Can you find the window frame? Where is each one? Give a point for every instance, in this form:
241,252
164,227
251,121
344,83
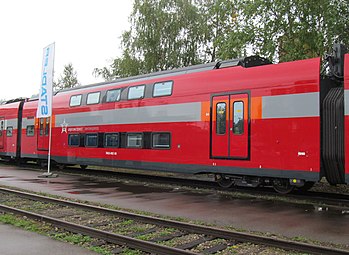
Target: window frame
136,98
26,132
80,101
105,141
165,95
91,146
135,147
69,140
159,147
7,131
225,125
117,100
91,93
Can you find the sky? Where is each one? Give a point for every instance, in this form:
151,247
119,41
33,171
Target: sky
86,33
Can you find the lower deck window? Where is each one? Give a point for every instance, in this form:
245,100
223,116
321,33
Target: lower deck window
30,130
111,140
134,140
9,131
91,140
74,140
161,140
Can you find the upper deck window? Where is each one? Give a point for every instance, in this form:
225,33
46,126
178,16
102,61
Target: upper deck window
93,98
75,100
136,92
113,95
162,89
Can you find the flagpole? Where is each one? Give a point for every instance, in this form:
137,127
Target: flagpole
50,131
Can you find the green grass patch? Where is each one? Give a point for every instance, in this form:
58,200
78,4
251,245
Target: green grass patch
72,238
20,222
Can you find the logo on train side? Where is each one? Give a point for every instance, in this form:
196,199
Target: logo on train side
64,126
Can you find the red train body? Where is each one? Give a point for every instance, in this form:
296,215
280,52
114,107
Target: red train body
283,125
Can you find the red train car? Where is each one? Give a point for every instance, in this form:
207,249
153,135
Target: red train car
10,126
247,121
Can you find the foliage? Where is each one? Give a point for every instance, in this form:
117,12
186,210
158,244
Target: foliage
287,30
68,79
166,34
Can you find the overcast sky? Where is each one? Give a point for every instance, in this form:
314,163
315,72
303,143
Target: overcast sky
86,32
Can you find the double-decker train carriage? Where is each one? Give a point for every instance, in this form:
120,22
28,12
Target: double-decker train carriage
247,121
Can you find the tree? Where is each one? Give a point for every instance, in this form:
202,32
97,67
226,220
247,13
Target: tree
220,21
68,79
164,34
285,30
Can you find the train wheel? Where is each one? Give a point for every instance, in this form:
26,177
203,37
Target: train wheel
282,186
224,181
83,167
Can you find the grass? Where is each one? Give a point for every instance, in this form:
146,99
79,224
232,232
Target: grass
21,223
46,229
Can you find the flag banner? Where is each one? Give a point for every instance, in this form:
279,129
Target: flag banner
45,95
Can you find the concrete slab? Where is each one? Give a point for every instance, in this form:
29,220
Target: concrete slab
322,224
15,241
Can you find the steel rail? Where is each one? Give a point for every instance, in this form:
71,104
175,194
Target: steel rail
210,231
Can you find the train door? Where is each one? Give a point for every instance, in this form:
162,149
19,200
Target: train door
2,135
230,126
43,133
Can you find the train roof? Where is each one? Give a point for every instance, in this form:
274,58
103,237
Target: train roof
246,62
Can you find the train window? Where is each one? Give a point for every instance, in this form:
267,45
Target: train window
161,140
136,92
111,140
30,130
47,127
74,140
93,98
134,140
1,127
221,118
113,95
91,140
41,127
75,100
162,89
238,124
9,131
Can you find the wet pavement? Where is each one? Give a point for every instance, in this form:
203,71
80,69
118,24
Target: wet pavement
15,241
281,218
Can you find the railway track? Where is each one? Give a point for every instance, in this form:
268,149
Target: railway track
149,235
